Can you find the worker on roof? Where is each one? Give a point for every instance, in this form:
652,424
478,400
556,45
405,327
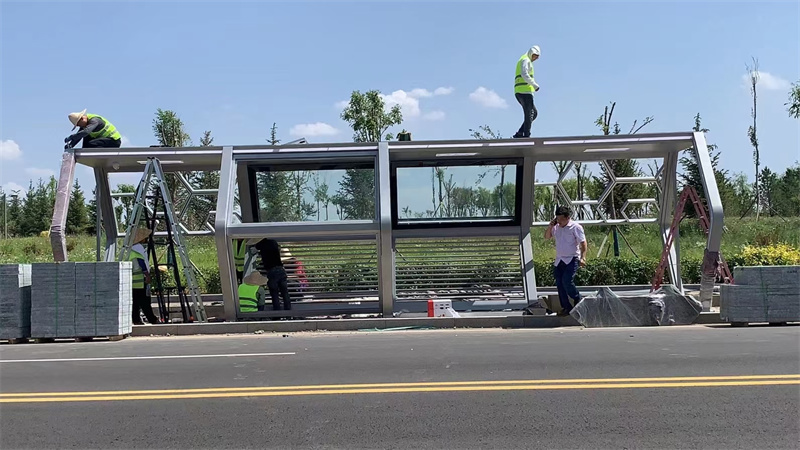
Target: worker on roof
524,87
96,131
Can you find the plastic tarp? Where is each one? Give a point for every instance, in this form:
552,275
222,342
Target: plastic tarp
665,306
61,207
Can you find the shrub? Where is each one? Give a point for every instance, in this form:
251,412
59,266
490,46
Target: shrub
767,255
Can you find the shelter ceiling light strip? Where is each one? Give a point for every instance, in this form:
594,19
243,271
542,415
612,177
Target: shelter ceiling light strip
444,155
606,150
162,162
432,146
510,144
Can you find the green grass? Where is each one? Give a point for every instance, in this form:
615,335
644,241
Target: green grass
644,240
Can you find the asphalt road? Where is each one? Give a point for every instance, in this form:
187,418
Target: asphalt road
693,387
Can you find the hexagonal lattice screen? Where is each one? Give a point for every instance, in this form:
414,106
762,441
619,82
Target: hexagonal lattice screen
602,191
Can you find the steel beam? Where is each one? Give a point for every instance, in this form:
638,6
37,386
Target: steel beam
227,274
666,213
525,244
105,209
708,270
386,257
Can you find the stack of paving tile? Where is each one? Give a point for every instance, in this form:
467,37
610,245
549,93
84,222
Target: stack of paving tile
81,299
762,294
15,301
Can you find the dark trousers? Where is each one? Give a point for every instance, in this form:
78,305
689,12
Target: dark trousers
278,285
102,142
529,114
141,303
565,282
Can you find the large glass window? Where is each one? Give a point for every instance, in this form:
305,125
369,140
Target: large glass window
443,194
318,193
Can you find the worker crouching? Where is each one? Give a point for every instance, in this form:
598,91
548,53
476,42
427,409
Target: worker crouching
95,130
277,281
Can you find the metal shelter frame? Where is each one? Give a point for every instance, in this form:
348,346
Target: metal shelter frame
236,163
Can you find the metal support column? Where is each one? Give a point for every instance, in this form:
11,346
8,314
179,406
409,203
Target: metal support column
105,210
708,270
667,207
386,262
526,221
227,274
245,199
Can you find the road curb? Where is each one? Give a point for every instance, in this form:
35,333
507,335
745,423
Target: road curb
370,324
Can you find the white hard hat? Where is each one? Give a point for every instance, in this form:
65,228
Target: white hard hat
75,117
534,51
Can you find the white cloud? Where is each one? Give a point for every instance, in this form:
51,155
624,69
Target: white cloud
9,150
420,93
313,129
10,187
434,115
443,90
37,172
408,105
768,81
488,98
126,142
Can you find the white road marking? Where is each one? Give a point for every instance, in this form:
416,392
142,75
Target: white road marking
120,358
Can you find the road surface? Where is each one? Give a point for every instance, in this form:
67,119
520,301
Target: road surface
669,387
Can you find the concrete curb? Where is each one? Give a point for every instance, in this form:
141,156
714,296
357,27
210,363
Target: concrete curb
378,323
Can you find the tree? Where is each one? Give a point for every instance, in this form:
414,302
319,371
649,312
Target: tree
206,140
484,132
37,208
619,167
273,135
794,101
367,117
91,212
77,215
753,76
124,210
690,175
169,129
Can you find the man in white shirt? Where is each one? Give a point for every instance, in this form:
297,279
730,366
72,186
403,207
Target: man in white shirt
570,253
524,87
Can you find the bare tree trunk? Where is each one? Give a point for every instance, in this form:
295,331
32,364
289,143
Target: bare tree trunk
751,132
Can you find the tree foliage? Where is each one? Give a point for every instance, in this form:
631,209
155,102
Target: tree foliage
793,106
366,115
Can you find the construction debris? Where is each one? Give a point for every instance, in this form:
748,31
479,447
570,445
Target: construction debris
666,306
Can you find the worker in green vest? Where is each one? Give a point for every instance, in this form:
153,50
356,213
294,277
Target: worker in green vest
251,296
239,254
96,131
141,280
524,87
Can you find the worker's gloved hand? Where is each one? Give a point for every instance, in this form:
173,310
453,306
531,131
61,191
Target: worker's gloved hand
68,138
67,147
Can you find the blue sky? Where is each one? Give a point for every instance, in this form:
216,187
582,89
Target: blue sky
236,67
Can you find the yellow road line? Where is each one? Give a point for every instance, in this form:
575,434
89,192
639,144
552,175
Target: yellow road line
418,384
485,386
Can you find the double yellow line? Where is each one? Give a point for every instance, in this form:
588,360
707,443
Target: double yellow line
394,388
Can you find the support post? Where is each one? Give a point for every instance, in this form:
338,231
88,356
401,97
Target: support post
105,212
666,211
227,274
61,208
386,261
708,270
526,220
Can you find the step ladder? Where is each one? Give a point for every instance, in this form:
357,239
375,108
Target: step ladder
688,194
153,168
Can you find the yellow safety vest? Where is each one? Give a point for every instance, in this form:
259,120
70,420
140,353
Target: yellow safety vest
137,273
520,85
248,298
108,130
240,251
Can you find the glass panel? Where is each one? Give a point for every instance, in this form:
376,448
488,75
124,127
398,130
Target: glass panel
317,195
456,193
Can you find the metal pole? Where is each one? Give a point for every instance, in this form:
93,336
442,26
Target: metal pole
98,243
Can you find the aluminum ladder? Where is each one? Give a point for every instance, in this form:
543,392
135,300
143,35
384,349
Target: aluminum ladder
153,168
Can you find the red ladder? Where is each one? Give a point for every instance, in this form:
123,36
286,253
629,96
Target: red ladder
691,195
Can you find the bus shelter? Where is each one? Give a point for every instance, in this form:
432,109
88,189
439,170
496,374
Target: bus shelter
397,230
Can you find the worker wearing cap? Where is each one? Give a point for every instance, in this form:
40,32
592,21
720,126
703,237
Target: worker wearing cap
251,296
524,87
96,131
141,279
